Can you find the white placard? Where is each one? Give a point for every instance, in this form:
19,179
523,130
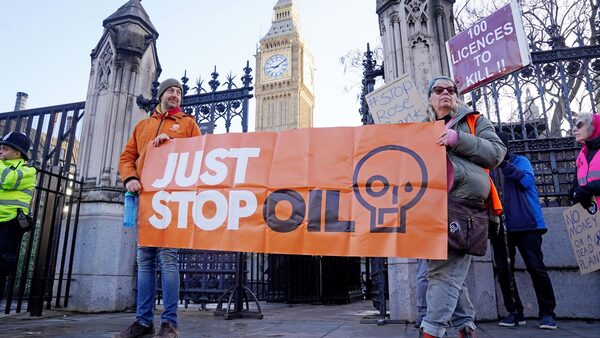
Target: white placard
397,102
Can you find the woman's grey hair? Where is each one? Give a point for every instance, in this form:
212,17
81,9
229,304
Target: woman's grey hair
431,116
587,119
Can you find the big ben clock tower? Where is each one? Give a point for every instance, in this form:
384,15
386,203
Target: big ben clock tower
284,74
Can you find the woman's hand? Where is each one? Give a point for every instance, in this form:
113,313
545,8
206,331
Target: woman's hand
581,195
448,138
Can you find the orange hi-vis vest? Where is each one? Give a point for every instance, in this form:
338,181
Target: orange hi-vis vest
496,204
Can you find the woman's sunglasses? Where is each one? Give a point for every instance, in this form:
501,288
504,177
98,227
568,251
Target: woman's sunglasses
579,125
439,90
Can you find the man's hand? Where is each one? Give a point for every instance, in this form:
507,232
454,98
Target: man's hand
133,185
160,139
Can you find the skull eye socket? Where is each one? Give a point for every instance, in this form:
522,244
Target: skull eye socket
385,186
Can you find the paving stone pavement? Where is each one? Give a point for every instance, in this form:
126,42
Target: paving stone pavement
280,320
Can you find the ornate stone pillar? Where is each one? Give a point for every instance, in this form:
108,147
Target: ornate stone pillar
123,66
414,33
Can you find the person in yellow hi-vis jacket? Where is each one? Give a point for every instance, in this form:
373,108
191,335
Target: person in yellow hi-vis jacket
17,182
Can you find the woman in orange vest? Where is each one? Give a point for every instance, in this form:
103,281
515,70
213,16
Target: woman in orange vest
469,154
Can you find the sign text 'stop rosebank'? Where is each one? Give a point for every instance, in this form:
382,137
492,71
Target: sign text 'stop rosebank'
493,47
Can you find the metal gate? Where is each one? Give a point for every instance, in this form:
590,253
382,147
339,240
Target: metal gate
44,269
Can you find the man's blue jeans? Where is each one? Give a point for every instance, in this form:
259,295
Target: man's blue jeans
422,285
146,283
447,295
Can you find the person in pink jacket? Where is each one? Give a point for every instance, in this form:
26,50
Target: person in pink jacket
587,132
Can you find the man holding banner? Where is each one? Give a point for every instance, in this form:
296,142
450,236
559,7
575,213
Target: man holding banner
166,122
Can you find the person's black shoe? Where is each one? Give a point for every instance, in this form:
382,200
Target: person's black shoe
167,330
136,330
513,319
548,322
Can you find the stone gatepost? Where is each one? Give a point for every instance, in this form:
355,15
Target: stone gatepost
413,34
124,64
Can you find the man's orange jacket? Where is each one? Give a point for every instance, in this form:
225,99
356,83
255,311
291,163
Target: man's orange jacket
179,125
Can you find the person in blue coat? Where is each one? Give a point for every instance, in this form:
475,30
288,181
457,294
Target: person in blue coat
524,224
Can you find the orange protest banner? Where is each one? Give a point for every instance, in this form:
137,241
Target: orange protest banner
376,191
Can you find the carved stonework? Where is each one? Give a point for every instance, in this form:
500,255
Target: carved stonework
416,16
104,68
438,10
415,9
419,39
394,18
382,26
120,72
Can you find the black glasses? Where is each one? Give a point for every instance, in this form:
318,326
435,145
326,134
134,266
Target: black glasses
579,125
439,90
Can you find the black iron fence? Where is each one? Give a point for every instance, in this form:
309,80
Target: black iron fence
214,105
553,162
44,269
313,279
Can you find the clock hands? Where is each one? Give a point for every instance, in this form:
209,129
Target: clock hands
279,64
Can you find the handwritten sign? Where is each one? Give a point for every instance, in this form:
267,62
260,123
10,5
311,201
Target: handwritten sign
284,192
583,228
397,102
488,50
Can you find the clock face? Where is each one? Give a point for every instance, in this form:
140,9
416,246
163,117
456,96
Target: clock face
276,66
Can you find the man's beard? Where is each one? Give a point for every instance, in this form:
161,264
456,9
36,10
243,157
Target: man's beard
171,104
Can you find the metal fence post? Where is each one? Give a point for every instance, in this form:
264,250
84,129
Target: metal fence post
40,273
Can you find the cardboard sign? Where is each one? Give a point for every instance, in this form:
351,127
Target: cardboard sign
490,49
583,228
397,102
375,190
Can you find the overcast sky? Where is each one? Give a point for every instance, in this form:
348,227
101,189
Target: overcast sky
46,45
